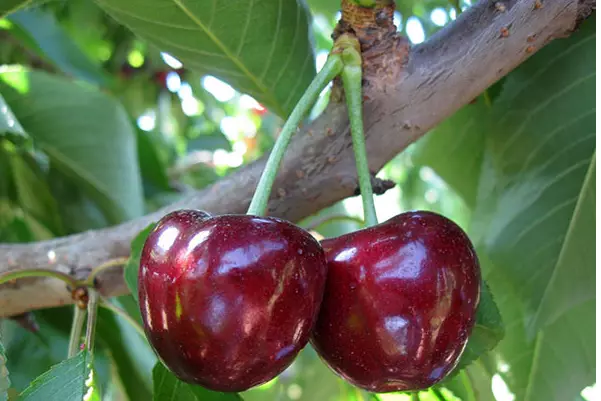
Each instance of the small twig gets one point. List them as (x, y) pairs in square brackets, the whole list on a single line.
[(91, 324), (19, 274), (76, 327), (101, 268)]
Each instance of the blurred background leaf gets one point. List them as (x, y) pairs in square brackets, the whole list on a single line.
[(50, 40), (66, 120), (261, 48), (4, 374)]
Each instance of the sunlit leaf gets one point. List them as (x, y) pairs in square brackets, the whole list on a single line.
[(53, 43), (473, 383), (85, 133), (535, 219), (168, 388), (9, 125), (529, 167), (260, 47)]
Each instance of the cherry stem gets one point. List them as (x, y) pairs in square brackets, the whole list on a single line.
[(102, 267), (91, 323), (351, 80), (330, 70), (105, 303), (415, 396), (76, 327), (18, 274)]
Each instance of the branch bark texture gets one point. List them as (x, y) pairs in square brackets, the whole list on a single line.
[(407, 92)]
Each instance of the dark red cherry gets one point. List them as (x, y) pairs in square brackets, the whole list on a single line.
[(399, 304), (160, 77), (229, 301)]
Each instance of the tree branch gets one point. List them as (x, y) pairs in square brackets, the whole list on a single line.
[(404, 101)]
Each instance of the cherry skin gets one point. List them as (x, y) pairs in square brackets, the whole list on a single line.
[(228, 302), (399, 304)]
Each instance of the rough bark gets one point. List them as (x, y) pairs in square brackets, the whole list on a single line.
[(407, 93)]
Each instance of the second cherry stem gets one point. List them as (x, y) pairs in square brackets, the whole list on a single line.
[(352, 77)]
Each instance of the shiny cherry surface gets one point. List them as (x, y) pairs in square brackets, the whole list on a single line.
[(228, 301), (399, 304)]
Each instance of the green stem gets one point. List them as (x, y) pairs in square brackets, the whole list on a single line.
[(91, 324), (101, 268), (330, 70), (351, 79), (105, 303), (415, 396), (76, 326), (18, 274)]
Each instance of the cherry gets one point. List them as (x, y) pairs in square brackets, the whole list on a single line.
[(160, 77), (399, 304), (228, 301)]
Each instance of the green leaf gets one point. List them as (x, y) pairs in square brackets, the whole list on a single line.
[(133, 359), (260, 48), (31, 354), (487, 332), (132, 267), (535, 220), (42, 29), (76, 209), (86, 135), (4, 379), (33, 192), (168, 388), (152, 166), (65, 381), (10, 6), (534, 214), (571, 283), (473, 383), (9, 125), (454, 149)]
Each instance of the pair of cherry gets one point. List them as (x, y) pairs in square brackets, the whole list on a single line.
[(229, 301)]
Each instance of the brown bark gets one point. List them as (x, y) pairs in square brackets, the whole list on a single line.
[(406, 95)]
